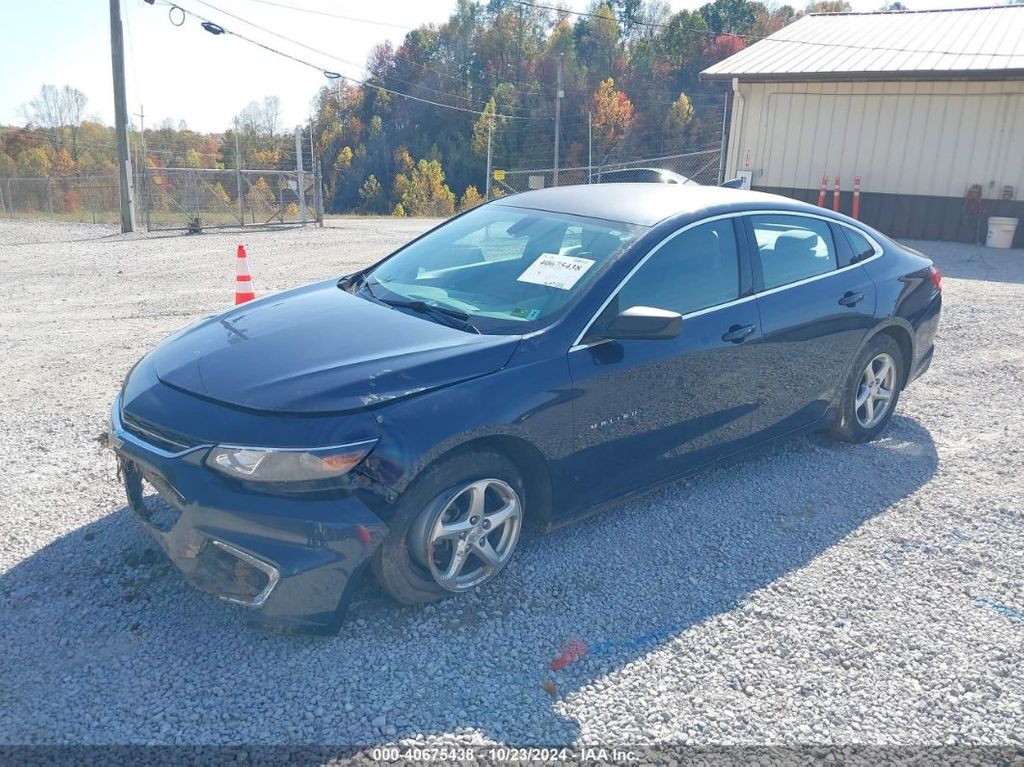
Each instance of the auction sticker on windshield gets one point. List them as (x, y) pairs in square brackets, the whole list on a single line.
[(556, 271)]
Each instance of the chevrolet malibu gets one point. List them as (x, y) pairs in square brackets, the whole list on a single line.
[(523, 364)]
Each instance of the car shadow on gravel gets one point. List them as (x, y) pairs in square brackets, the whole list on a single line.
[(104, 643)]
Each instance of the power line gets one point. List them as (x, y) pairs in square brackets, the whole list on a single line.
[(325, 53), (217, 29), (770, 38), (531, 86), (331, 15)]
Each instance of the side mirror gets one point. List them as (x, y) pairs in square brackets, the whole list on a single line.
[(645, 323)]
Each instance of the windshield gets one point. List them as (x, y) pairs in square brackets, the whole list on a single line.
[(508, 270)]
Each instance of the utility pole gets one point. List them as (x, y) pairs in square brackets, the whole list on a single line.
[(238, 181), (144, 163), (487, 183), (301, 180), (316, 176), (558, 116), (124, 160), (590, 147), (721, 146)]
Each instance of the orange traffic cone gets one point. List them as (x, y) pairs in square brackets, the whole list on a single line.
[(243, 280)]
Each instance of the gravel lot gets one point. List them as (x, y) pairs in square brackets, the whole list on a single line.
[(816, 592)]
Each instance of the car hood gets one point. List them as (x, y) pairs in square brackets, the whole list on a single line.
[(320, 349)]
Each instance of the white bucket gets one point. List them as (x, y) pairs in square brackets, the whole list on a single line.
[(1000, 231)]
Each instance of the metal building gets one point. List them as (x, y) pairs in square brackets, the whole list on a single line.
[(926, 107)]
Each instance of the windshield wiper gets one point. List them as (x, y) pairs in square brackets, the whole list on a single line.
[(451, 317)]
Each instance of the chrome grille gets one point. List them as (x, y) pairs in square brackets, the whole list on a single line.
[(165, 439)]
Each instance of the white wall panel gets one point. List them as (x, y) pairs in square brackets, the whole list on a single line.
[(905, 137)]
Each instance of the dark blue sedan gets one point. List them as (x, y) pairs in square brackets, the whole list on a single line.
[(523, 364)]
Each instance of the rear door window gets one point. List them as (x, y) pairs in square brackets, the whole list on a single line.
[(793, 248), (862, 249)]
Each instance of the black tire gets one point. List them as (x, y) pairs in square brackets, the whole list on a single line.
[(847, 426), (396, 569)]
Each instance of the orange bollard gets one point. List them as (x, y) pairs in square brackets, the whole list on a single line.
[(835, 196), (243, 280), (856, 197), (823, 191)]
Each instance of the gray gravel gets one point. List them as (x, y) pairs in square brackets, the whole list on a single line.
[(816, 592)]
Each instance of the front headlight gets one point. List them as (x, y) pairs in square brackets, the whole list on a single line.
[(259, 464)]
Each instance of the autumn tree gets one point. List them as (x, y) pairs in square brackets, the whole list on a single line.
[(723, 47), (423, 191), (7, 164), (612, 118), (260, 197), (678, 119), (770, 19), (470, 199), (34, 163)]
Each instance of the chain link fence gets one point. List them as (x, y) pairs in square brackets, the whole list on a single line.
[(171, 198), (80, 199), (701, 167), (190, 198), (200, 198)]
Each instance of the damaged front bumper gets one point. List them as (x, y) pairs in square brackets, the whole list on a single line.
[(294, 560)]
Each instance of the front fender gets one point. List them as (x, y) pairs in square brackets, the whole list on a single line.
[(531, 402)]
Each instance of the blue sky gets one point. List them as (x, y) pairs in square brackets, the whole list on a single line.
[(187, 73)]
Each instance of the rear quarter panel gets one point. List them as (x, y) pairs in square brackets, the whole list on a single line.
[(906, 297)]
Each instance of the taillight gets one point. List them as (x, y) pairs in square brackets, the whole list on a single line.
[(936, 275)]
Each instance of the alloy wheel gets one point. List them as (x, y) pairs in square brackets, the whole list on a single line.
[(875, 391), (473, 535)]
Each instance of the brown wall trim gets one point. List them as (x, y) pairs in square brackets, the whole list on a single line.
[(919, 217)]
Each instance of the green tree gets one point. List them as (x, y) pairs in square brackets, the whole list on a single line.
[(372, 196), (597, 40), (683, 38), (481, 128), (829, 6), (733, 16)]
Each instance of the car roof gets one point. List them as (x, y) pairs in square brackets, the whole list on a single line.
[(619, 171), (663, 172), (649, 204)]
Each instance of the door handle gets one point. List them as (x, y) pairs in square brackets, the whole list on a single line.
[(851, 299), (737, 334)]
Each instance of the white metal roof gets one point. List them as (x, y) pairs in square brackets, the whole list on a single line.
[(968, 42)]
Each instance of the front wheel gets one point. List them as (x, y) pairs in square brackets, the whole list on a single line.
[(454, 529), (871, 391)]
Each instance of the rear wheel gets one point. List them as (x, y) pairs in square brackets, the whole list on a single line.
[(871, 391), (454, 529)]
